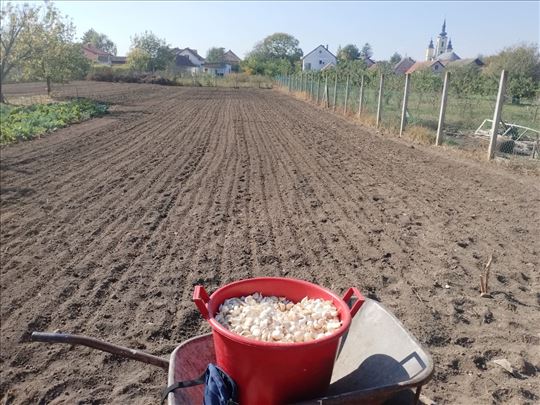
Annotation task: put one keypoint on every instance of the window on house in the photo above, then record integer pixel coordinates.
(320, 51)
(308, 66)
(320, 62)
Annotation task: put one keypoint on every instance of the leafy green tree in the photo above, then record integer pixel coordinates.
(276, 54)
(465, 80)
(348, 52)
(18, 26)
(523, 65)
(395, 59)
(138, 60)
(152, 49)
(100, 41)
(215, 55)
(366, 51)
(55, 56)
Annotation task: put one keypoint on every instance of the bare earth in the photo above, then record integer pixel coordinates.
(106, 227)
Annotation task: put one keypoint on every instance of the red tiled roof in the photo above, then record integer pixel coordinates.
(91, 48)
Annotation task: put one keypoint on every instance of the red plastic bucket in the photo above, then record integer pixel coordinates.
(276, 373)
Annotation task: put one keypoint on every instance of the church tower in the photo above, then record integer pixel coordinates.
(430, 50)
(442, 41)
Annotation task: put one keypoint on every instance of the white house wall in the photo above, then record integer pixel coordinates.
(317, 59)
(192, 58)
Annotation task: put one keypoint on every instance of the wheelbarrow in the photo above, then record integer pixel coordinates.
(378, 360)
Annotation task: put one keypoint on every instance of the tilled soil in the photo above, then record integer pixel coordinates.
(107, 226)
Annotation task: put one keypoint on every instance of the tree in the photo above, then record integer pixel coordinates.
(366, 51)
(523, 65)
(138, 59)
(17, 28)
(154, 50)
(45, 46)
(55, 56)
(395, 58)
(348, 52)
(276, 54)
(100, 41)
(215, 55)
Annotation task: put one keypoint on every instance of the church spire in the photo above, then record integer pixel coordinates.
(449, 46)
(443, 32)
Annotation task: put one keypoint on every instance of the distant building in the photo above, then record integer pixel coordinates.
(464, 62)
(368, 61)
(97, 55)
(231, 58)
(443, 49)
(217, 69)
(192, 55)
(184, 65)
(403, 65)
(318, 59)
(435, 66)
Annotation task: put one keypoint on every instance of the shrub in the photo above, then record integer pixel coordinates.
(21, 123)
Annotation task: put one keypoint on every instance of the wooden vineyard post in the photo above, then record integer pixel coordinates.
(379, 103)
(326, 95)
(497, 115)
(318, 87)
(361, 96)
(444, 98)
(311, 89)
(335, 94)
(346, 96)
(404, 106)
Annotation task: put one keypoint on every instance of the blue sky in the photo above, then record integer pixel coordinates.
(406, 27)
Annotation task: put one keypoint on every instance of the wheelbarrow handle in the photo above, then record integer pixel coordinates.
(100, 345)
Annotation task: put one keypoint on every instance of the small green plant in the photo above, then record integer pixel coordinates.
(27, 122)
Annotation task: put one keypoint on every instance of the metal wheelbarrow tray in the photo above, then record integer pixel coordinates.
(377, 359)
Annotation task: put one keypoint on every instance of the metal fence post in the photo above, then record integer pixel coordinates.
(346, 96)
(318, 87)
(497, 115)
(335, 95)
(444, 97)
(404, 107)
(361, 97)
(311, 89)
(379, 103)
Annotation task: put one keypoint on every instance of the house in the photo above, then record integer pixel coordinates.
(96, 55)
(449, 56)
(434, 66)
(183, 64)
(216, 69)
(192, 55)
(118, 60)
(231, 58)
(403, 65)
(318, 58)
(464, 62)
(368, 61)
(329, 65)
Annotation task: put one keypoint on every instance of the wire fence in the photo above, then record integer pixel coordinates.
(466, 123)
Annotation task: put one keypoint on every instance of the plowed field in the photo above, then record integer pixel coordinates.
(106, 227)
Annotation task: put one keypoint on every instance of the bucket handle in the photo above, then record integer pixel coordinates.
(201, 298)
(354, 292)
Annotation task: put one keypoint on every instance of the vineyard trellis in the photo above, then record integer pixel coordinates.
(437, 113)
